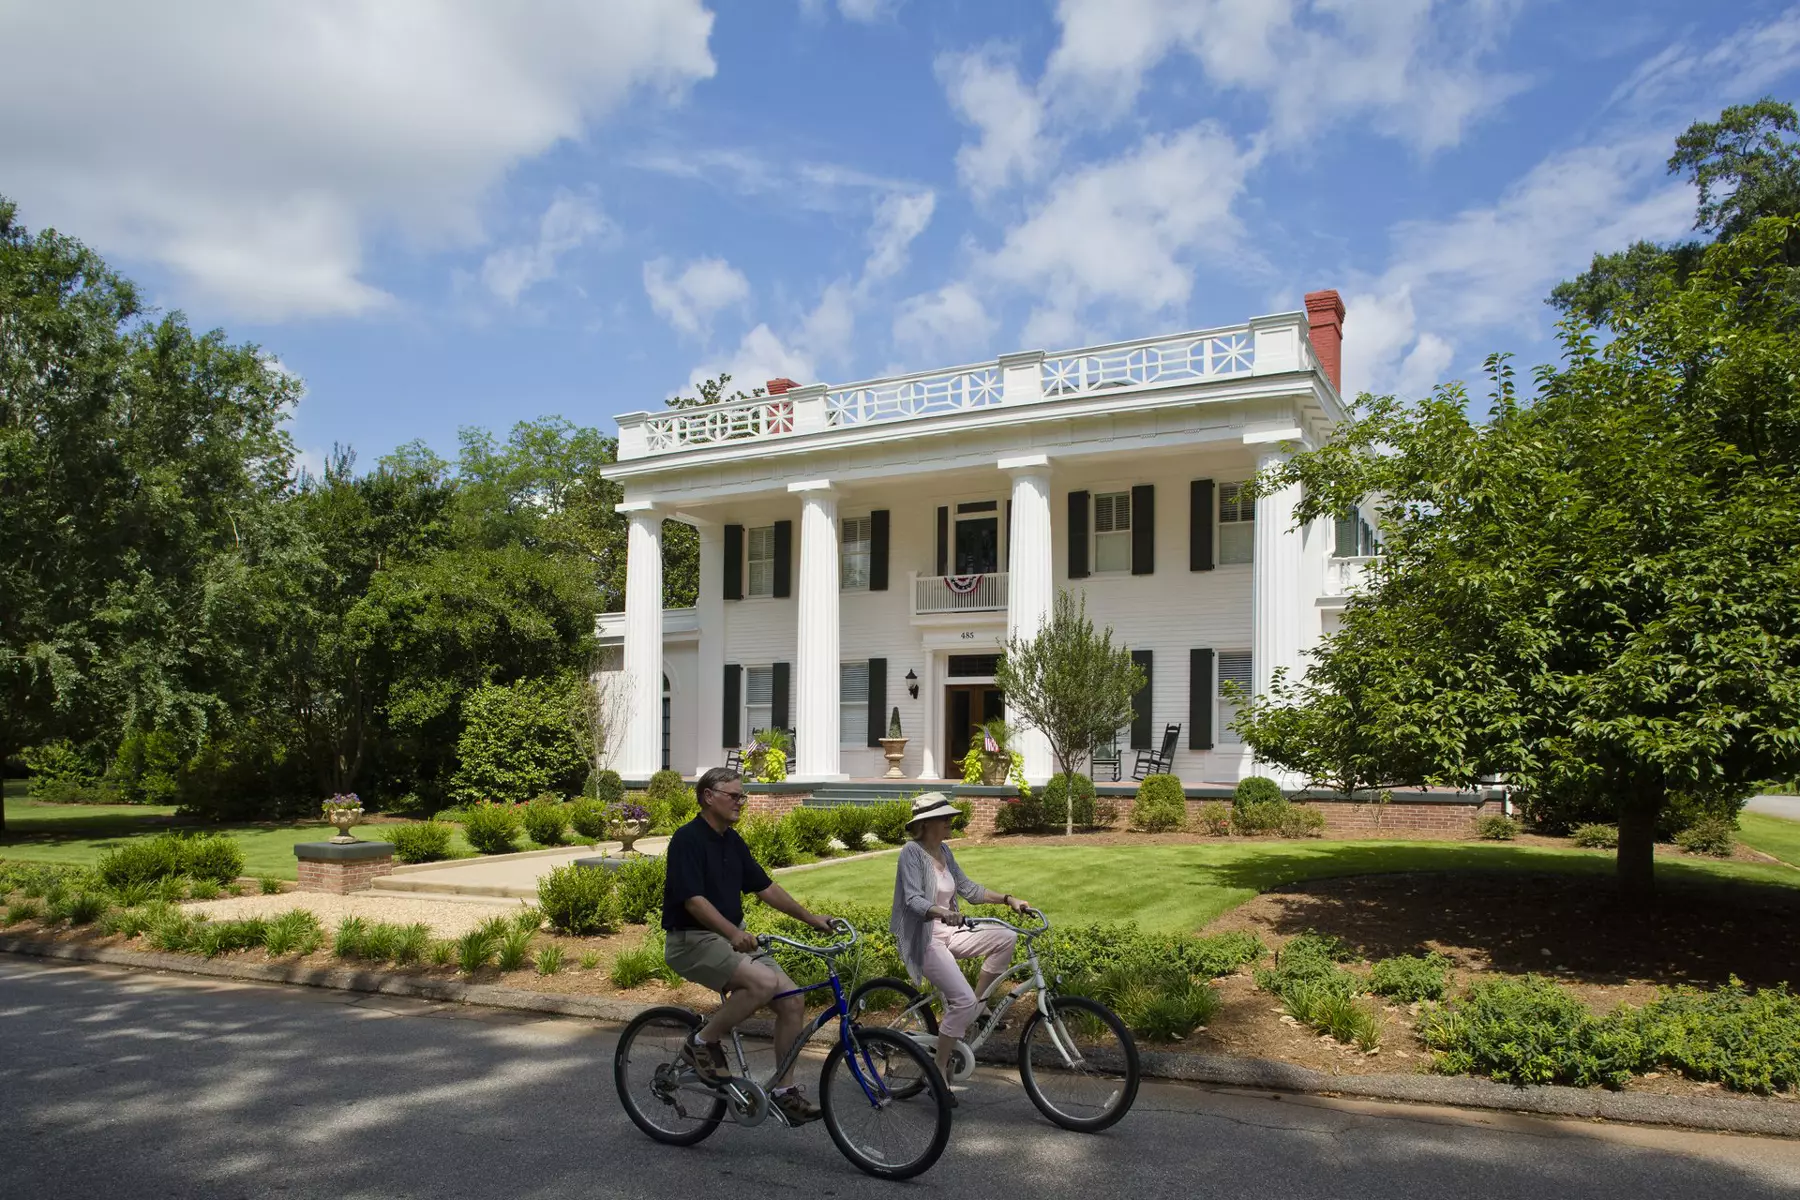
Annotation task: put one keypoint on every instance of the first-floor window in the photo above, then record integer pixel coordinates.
(1112, 531)
(856, 540)
(762, 561)
(1237, 524)
(853, 704)
(1234, 667)
(759, 698)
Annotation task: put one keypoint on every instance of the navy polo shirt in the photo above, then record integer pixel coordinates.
(702, 862)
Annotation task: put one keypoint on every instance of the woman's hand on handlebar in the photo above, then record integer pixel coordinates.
(1018, 905)
(950, 916)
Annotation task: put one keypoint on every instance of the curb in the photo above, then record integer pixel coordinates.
(1716, 1114)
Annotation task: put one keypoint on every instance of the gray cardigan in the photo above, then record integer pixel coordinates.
(915, 890)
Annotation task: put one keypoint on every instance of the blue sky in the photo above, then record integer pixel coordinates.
(450, 214)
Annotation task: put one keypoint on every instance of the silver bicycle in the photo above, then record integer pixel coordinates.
(1077, 1060)
(885, 1105)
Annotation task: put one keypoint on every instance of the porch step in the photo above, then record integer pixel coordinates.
(831, 795)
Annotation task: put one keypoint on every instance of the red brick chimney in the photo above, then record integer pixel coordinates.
(1325, 327)
(778, 387)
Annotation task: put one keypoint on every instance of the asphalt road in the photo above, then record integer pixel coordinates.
(121, 1085)
(1776, 806)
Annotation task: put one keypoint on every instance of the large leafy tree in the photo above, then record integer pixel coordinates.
(1596, 592)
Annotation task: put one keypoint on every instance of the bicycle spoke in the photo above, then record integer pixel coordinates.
(1078, 1064)
(898, 1129)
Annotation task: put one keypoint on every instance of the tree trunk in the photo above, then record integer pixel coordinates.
(1637, 844)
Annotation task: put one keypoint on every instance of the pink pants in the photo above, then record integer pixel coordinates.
(990, 943)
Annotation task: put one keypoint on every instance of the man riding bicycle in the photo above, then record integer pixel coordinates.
(709, 869)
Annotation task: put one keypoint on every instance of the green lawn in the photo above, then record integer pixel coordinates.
(1772, 835)
(1184, 887)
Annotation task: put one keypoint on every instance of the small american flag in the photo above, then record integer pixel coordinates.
(989, 744)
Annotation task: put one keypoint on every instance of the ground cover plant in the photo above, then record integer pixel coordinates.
(1316, 991)
(1411, 977)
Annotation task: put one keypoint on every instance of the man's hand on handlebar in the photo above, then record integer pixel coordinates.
(744, 942)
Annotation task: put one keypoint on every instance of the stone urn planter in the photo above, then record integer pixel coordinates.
(994, 768)
(893, 749)
(629, 831)
(343, 820)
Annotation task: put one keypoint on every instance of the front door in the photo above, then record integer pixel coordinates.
(965, 704)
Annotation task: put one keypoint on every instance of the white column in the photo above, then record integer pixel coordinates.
(1031, 588)
(932, 721)
(709, 727)
(816, 656)
(1275, 585)
(640, 751)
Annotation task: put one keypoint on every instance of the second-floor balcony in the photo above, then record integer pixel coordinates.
(1344, 576)
(950, 594)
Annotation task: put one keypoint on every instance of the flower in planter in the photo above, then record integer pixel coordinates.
(343, 800)
(629, 811)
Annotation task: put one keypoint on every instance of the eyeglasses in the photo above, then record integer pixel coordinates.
(737, 795)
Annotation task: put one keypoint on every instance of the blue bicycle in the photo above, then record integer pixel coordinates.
(885, 1105)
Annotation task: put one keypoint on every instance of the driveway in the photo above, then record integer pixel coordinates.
(152, 1086)
(1776, 806)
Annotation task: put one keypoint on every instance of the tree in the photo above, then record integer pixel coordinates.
(1598, 591)
(1070, 684)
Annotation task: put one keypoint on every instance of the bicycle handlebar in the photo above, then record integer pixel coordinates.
(765, 940)
(1043, 922)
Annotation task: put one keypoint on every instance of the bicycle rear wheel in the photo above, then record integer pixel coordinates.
(889, 1112)
(660, 1094)
(892, 1004)
(1079, 1063)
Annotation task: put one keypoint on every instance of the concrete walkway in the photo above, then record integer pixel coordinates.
(1776, 806)
(512, 876)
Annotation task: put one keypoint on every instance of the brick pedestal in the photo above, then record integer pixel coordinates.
(342, 867)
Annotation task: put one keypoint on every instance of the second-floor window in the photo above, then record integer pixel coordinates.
(856, 540)
(1237, 524)
(1112, 531)
(762, 561)
(1354, 538)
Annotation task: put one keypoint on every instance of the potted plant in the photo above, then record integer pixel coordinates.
(766, 758)
(630, 821)
(893, 746)
(992, 736)
(343, 811)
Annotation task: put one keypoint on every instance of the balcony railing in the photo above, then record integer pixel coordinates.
(1345, 575)
(959, 593)
(1147, 364)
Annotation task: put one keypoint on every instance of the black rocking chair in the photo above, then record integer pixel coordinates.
(1158, 762)
(734, 759)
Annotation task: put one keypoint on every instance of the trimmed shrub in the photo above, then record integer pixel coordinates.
(1496, 827)
(1408, 977)
(965, 812)
(1595, 837)
(607, 787)
(852, 823)
(1258, 816)
(1056, 806)
(1300, 821)
(666, 785)
(811, 829)
(1215, 818)
(215, 857)
(546, 820)
(580, 901)
(639, 887)
(1714, 836)
(1257, 789)
(425, 841)
(517, 741)
(587, 816)
(491, 828)
(769, 842)
(1160, 805)
(890, 818)
(1023, 815)
(59, 773)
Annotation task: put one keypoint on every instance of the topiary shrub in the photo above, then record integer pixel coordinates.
(580, 901)
(491, 828)
(852, 823)
(665, 786)
(1257, 816)
(769, 841)
(427, 841)
(587, 817)
(607, 787)
(1056, 807)
(811, 830)
(1496, 827)
(639, 886)
(1596, 837)
(546, 820)
(1300, 821)
(1215, 818)
(890, 818)
(1160, 805)
(517, 741)
(216, 858)
(1714, 836)
(1257, 789)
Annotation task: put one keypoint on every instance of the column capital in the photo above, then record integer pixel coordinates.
(640, 508)
(813, 487)
(703, 524)
(1025, 462)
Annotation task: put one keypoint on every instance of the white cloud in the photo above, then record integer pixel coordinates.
(570, 222)
(254, 149)
(760, 356)
(950, 320)
(865, 12)
(812, 186)
(1414, 70)
(688, 301)
(988, 94)
(899, 218)
(1752, 59)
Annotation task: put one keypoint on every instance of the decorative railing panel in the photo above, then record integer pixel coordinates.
(1173, 360)
(959, 593)
(921, 396)
(765, 416)
(1345, 575)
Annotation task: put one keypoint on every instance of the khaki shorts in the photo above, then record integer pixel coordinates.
(708, 959)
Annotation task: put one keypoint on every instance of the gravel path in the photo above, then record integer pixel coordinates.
(447, 918)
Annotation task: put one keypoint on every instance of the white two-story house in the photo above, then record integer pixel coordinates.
(868, 547)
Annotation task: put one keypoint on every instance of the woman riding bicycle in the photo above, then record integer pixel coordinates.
(926, 922)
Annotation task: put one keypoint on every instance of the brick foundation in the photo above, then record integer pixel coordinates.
(1342, 816)
(341, 869)
(772, 804)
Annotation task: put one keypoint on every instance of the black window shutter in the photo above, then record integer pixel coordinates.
(1200, 699)
(1078, 535)
(734, 683)
(778, 696)
(1143, 529)
(877, 700)
(1346, 537)
(784, 558)
(878, 550)
(734, 563)
(1140, 704)
(943, 534)
(1200, 526)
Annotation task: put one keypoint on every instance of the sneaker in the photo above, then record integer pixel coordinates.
(707, 1060)
(796, 1107)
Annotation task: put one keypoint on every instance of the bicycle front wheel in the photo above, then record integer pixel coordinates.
(892, 1004)
(660, 1094)
(1079, 1063)
(886, 1106)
